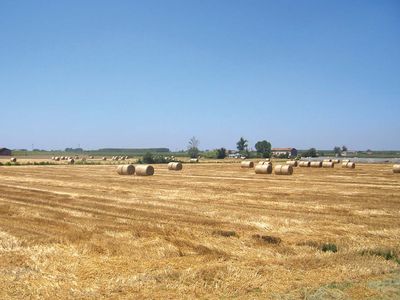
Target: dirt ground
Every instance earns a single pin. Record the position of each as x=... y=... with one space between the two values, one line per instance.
x=208 y=231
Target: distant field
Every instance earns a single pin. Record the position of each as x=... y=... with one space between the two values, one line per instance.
x=209 y=231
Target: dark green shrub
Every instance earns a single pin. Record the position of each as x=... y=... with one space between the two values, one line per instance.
x=329 y=247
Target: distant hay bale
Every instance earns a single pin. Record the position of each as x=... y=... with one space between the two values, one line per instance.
x=292 y=163
x=13 y=159
x=56 y=158
x=76 y=157
x=396 y=168
x=349 y=165
x=304 y=163
x=104 y=158
x=316 y=164
x=283 y=170
x=345 y=160
x=126 y=169
x=263 y=162
x=327 y=160
x=52 y=158
x=71 y=161
x=328 y=164
x=194 y=160
x=144 y=170
x=263 y=169
x=91 y=156
x=336 y=161
x=175 y=166
x=247 y=164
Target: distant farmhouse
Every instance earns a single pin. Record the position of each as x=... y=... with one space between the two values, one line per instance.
x=289 y=152
x=5 y=151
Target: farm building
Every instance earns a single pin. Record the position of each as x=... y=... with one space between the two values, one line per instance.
x=290 y=152
x=5 y=151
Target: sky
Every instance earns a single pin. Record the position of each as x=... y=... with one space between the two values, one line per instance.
x=135 y=74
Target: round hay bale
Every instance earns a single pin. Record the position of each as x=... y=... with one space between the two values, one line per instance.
x=104 y=158
x=327 y=160
x=91 y=156
x=126 y=169
x=396 y=168
x=13 y=159
x=283 y=170
x=345 y=160
x=175 y=166
x=328 y=164
x=71 y=161
x=247 y=164
x=56 y=158
x=292 y=163
x=316 y=164
x=336 y=161
x=351 y=165
x=264 y=163
x=194 y=160
x=144 y=170
x=304 y=163
x=263 y=169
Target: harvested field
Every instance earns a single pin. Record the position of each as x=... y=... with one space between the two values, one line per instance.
x=208 y=231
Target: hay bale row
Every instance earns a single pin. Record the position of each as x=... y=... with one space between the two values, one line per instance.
x=139 y=170
x=247 y=164
x=264 y=162
x=283 y=170
x=304 y=164
x=328 y=164
x=292 y=163
x=263 y=169
x=316 y=164
x=126 y=169
x=396 y=168
x=350 y=165
x=175 y=166
x=144 y=170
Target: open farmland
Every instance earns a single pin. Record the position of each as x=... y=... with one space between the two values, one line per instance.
x=209 y=231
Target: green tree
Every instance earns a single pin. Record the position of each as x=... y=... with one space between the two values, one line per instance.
x=344 y=148
x=221 y=153
x=148 y=158
x=193 y=148
x=312 y=152
x=337 y=151
x=263 y=148
x=242 y=144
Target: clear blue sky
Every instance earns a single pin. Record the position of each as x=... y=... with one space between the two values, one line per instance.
x=154 y=73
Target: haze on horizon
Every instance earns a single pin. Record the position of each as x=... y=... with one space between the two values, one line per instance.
x=139 y=74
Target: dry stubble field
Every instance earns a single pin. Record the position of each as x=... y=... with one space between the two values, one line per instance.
x=85 y=232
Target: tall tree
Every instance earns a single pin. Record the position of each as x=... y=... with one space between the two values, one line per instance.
x=263 y=148
x=344 y=148
x=241 y=144
x=193 y=147
x=221 y=153
x=337 y=151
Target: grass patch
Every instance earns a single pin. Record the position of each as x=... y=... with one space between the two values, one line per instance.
x=329 y=247
x=387 y=254
x=269 y=239
x=225 y=233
